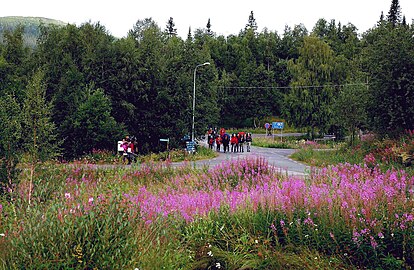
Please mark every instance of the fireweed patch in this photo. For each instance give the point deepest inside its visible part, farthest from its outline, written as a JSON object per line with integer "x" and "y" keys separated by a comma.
{"x": 344, "y": 209}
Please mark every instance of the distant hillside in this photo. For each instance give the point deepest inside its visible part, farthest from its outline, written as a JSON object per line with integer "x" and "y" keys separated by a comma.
{"x": 31, "y": 27}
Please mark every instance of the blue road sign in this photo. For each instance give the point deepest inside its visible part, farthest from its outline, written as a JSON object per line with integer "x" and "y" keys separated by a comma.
{"x": 190, "y": 146}
{"x": 278, "y": 125}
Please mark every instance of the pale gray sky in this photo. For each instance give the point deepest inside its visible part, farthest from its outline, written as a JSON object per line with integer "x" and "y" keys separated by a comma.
{"x": 226, "y": 16}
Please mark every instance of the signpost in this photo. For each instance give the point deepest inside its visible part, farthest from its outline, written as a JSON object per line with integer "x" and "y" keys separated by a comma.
{"x": 168, "y": 145}
{"x": 278, "y": 125}
{"x": 190, "y": 146}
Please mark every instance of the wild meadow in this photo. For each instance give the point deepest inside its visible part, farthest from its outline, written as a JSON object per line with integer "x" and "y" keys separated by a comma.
{"x": 241, "y": 214}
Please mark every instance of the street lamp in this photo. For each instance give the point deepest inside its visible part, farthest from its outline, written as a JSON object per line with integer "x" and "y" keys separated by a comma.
{"x": 194, "y": 91}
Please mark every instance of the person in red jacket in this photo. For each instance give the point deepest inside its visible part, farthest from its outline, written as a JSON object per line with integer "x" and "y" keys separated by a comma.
{"x": 218, "y": 143}
{"x": 234, "y": 143}
{"x": 222, "y": 132}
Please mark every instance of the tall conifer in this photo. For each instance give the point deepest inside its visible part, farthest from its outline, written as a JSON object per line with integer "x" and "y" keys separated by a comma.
{"x": 394, "y": 15}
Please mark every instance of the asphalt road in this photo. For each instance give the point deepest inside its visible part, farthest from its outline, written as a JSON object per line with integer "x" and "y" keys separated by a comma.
{"x": 279, "y": 158}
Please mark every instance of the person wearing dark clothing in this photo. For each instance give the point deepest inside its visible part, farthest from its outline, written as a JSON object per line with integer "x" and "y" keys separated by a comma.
{"x": 241, "y": 142}
{"x": 226, "y": 141}
{"x": 248, "y": 141}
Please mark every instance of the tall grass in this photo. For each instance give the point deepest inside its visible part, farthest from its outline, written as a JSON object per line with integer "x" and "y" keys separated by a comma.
{"x": 241, "y": 214}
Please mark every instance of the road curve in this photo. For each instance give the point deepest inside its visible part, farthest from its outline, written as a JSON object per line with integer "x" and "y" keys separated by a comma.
{"x": 278, "y": 158}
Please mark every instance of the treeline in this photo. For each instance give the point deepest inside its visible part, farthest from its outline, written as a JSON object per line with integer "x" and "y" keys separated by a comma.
{"x": 95, "y": 88}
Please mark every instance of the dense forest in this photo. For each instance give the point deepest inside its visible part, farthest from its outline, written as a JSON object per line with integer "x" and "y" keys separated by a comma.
{"x": 80, "y": 88}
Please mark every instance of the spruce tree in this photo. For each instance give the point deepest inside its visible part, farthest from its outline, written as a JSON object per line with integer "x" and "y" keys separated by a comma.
{"x": 208, "y": 26}
{"x": 251, "y": 23}
{"x": 171, "y": 30}
{"x": 394, "y": 15}
{"x": 381, "y": 19}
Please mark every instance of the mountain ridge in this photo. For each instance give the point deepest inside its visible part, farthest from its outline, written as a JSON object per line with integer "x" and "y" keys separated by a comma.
{"x": 31, "y": 27}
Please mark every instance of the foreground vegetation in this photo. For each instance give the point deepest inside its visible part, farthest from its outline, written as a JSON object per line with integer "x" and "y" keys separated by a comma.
{"x": 241, "y": 214}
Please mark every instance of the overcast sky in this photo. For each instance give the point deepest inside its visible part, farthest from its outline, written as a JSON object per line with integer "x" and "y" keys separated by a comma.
{"x": 226, "y": 16}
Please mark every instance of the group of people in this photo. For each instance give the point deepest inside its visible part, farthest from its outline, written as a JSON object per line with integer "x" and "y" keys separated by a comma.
{"x": 236, "y": 141}
{"x": 127, "y": 149}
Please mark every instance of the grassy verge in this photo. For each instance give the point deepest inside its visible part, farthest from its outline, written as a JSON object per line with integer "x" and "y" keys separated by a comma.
{"x": 274, "y": 143}
{"x": 175, "y": 155}
{"x": 292, "y": 143}
{"x": 383, "y": 154}
{"x": 180, "y": 155}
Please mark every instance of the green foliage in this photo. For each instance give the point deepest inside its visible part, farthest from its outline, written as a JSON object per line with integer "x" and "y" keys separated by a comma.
{"x": 94, "y": 127}
{"x": 177, "y": 155}
{"x": 309, "y": 103}
{"x": 102, "y": 238}
{"x": 13, "y": 64}
{"x": 148, "y": 77}
{"x": 274, "y": 143}
{"x": 39, "y": 131}
{"x": 394, "y": 14}
{"x": 10, "y": 136}
{"x": 389, "y": 57}
{"x": 350, "y": 108}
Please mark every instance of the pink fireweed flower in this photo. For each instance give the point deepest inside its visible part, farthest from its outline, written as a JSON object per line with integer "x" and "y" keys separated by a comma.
{"x": 309, "y": 221}
{"x": 355, "y": 238}
{"x": 67, "y": 195}
{"x": 374, "y": 244}
{"x": 370, "y": 159}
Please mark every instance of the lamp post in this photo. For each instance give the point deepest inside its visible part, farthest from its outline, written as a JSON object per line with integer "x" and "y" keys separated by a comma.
{"x": 194, "y": 92}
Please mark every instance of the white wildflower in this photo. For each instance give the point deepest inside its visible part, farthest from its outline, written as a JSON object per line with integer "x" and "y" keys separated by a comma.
{"x": 2, "y": 234}
{"x": 210, "y": 253}
{"x": 218, "y": 265}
